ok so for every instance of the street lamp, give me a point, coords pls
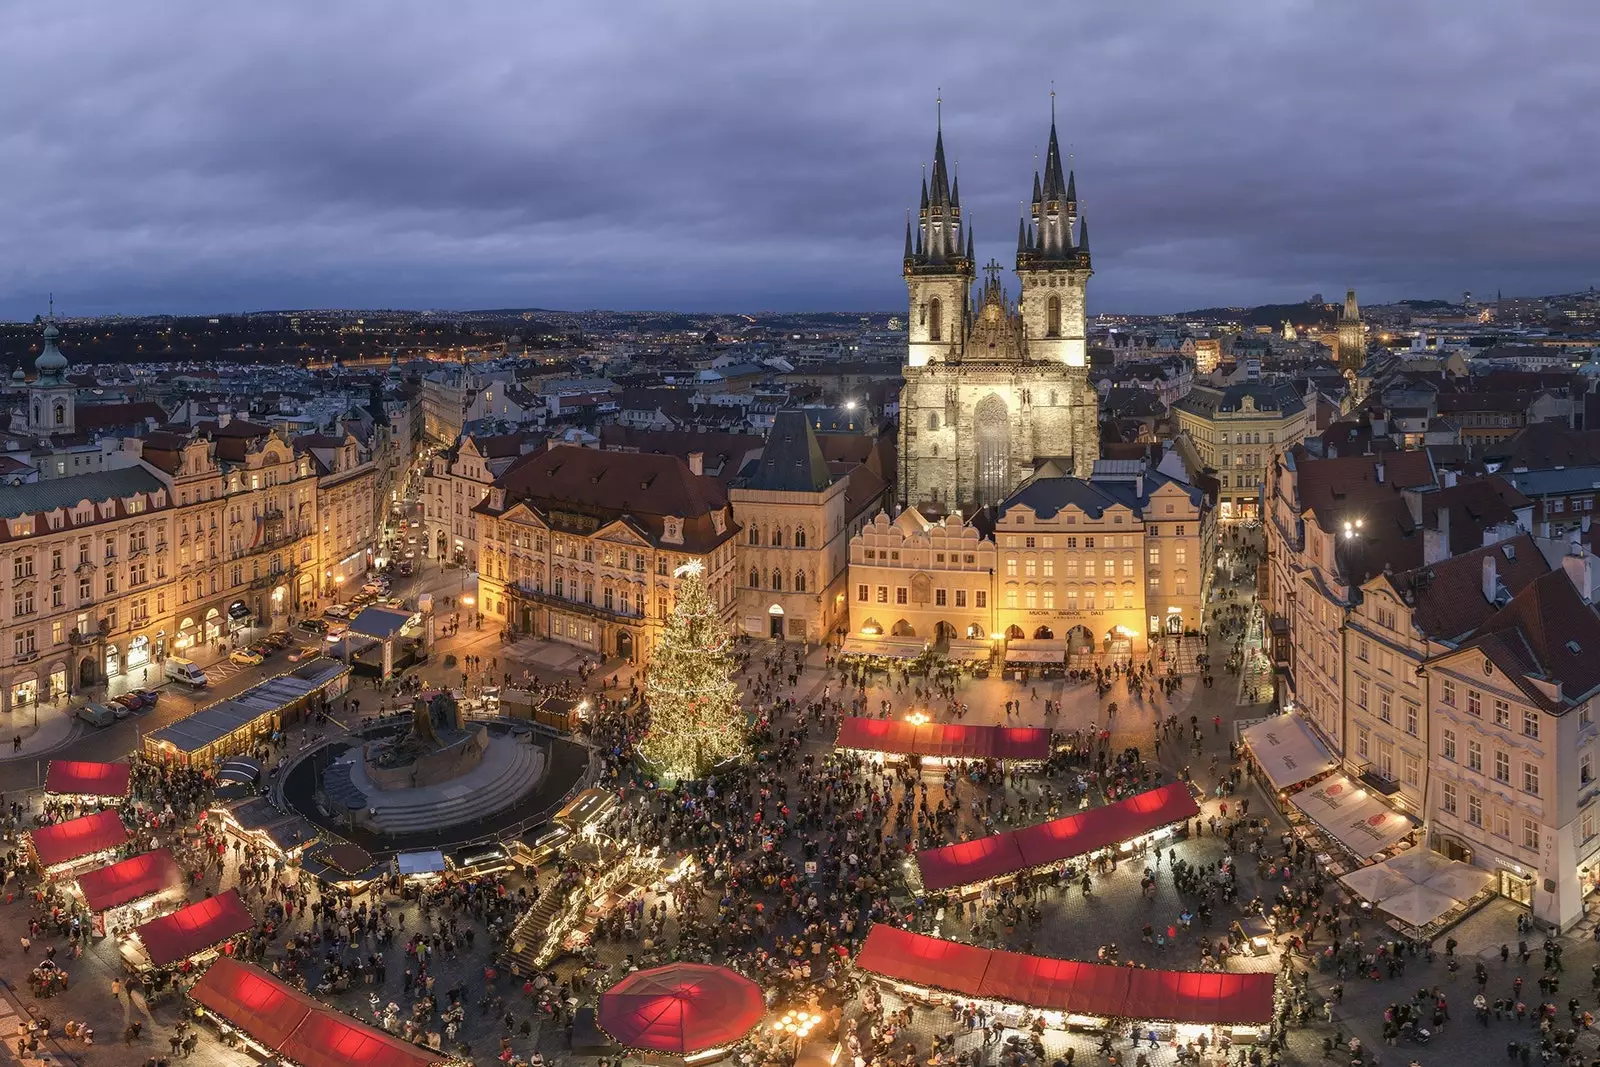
(796, 1025)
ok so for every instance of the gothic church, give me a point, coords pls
(993, 388)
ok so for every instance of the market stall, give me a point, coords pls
(238, 725)
(1067, 992)
(64, 846)
(1119, 824)
(278, 1020)
(1356, 819)
(944, 740)
(689, 1010)
(79, 778)
(901, 648)
(254, 821)
(1285, 751)
(420, 867)
(130, 891)
(189, 932)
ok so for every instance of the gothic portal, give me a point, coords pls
(994, 388)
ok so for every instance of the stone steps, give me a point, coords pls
(492, 788)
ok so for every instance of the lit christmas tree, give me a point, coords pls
(696, 722)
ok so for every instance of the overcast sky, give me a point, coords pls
(168, 156)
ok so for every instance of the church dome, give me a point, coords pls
(51, 363)
(19, 375)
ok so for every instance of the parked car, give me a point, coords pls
(151, 697)
(263, 648)
(178, 669)
(245, 657)
(279, 639)
(97, 715)
(129, 702)
(338, 611)
(316, 626)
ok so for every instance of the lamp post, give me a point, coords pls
(795, 1026)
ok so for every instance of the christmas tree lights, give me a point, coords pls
(696, 722)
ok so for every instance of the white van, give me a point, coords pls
(182, 670)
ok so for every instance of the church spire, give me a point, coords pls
(1022, 235)
(1083, 237)
(908, 233)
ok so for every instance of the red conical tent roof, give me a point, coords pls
(682, 1008)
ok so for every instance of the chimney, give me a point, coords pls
(1579, 565)
(1413, 499)
(1436, 542)
(1379, 469)
(224, 416)
(697, 462)
(1450, 479)
(1491, 580)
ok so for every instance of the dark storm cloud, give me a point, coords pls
(200, 156)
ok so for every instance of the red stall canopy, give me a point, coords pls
(297, 1026)
(949, 740)
(681, 1009)
(329, 1039)
(74, 777)
(196, 927)
(1056, 841)
(132, 879)
(1066, 985)
(923, 961)
(76, 838)
(1194, 997)
(252, 1000)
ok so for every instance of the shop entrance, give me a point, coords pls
(624, 645)
(1517, 888)
(775, 622)
(113, 661)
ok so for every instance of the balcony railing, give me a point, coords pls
(1373, 776)
(523, 591)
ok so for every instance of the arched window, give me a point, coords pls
(993, 427)
(1052, 317)
(777, 579)
(799, 537)
(933, 420)
(935, 315)
(755, 535)
(799, 581)
(777, 537)
(61, 413)
(755, 578)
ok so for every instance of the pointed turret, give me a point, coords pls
(908, 234)
(924, 192)
(969, 244)
(1037, 199)
(1083, 237)
(1054, 184)
(941, 174)
(1022, 236)
(955, 188)
(1072, 187)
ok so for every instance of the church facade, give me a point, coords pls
(995, 388)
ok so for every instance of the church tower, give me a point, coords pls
(51, 398)
(994, 388)
(1352, 336)
(938, 267)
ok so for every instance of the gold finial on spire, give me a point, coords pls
(938, 107)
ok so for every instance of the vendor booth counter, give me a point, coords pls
(1057, 841)
(297, 1027)
(77, 841)
(944, 740)
(147, 875)
(1078, 993)
(77, 778)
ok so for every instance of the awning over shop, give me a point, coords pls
(132, 879)
(952, 740)
(1358, 819)
(1056, 841)
(970, 651)
(195, 928)
(297, 1026)
(891, 647)
(1289, 753)
(76, 838)
(420, 862)
(1067, 985)
(1036, 651)
(78, 778)
(1418, 886)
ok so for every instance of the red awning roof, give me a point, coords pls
(951, 740)
(1067, 985)
(74, 777)
(681, 1008)
(75, 838)
(330, 1039)
(132, 879)
(194, 928)
(1056, 841)
(299, 1027)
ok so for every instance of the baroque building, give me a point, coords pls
(993, 392)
